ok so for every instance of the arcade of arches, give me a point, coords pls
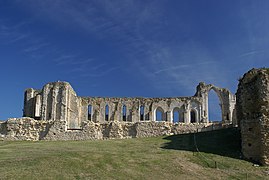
(58, 100)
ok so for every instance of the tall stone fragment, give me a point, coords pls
(57, 101)
(252, 110)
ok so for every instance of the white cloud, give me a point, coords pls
(124, 23)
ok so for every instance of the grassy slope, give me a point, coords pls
(170, 157)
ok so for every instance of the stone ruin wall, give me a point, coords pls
(57, 113)
(253, 114)
(30, 129)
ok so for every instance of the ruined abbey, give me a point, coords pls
(58, 101)
(56, 113)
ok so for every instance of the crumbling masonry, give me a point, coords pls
(252, 109)
(56, 112)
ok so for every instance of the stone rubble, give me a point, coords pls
(34, 130)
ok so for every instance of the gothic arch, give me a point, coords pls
(226, 98)
(159, 114)
(220, 102)
(177, 115)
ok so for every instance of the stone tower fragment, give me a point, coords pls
(57, 101)
(252, 109)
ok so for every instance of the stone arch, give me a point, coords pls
(195, 107)
(226, 98)
(219, 105)
(159, 114)
(222, 98)
(177, 115)
(161, 107)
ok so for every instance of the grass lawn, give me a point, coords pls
(167, 157)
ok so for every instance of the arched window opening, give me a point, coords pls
(193, 116)
(107, 113)
(175, 116)
(178, 115)
(214, 107)
(160, 115)
(124, 113)
(90, 112)
(141, 113)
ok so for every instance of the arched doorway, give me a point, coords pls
(214, 107)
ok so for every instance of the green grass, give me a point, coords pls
(170, 157)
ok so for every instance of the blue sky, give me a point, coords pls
(128, 47)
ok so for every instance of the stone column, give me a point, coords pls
(200, 114)
(37, 106)
(187, 113)
(169, 117)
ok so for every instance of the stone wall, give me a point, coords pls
(24, 129)
(56, 113)
(58, 101)
(252, 110)
(31, 129)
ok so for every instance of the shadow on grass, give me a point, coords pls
(224, 142)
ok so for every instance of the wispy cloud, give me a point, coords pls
(183, 66)
(64, 59)
(250, 53)
(136, 28)
(36, 47)
(18, 37)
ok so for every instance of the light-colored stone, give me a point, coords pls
(57, 113)
(31, 129)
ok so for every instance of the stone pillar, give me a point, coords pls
(200, 114)
(152, 116)
(205, 98)
(187, 116)
(169, 117)
(38, 106)
(187, 113)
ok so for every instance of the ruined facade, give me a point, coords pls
(58, 101)
(252, 109)
(56, 112)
